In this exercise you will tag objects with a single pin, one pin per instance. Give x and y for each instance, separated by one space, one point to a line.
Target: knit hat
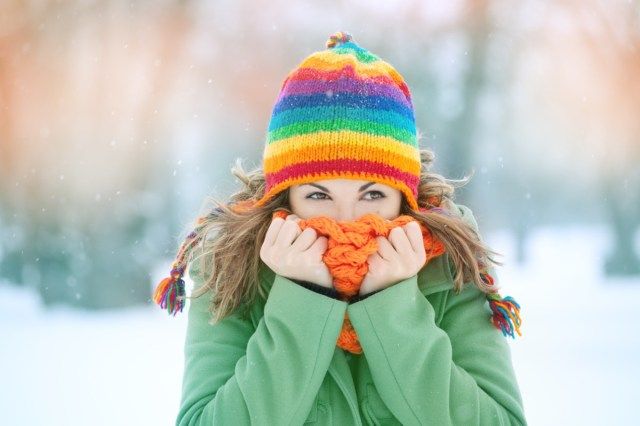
342 113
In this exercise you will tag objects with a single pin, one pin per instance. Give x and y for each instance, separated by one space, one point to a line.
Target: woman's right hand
295 254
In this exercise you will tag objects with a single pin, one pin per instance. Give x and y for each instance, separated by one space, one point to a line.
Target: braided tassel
170 293
506 311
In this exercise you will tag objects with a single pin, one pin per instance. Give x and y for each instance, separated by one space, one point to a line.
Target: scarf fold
350 243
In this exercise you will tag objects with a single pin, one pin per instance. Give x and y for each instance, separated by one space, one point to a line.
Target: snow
576 363
69 367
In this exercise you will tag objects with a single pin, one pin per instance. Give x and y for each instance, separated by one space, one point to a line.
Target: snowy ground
577 361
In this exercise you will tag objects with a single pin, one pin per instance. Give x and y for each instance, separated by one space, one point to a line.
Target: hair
230 240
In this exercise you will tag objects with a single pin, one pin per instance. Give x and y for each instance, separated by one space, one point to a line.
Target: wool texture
342 113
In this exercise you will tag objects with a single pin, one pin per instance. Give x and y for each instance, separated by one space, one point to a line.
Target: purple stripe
342 85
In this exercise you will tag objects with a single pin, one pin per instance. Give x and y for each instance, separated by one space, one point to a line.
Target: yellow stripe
329 61
348 142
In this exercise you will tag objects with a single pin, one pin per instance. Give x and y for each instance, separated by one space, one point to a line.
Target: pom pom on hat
338 38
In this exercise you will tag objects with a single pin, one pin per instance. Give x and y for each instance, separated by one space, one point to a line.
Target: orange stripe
343 140
329 61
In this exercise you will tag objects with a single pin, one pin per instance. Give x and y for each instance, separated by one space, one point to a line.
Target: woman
281 336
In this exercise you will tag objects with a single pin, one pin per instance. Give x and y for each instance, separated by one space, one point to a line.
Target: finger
288 233
374 258
386 250
414 232
400 241
305 239
319 246
272 232
293 217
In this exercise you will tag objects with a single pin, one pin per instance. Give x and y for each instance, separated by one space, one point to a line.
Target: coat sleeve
235 373
458 373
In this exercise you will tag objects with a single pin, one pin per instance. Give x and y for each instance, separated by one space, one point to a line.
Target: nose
345 212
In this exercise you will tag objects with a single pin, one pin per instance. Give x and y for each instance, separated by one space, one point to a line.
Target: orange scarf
348 248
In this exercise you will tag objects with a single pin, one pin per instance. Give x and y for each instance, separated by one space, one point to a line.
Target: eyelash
370 192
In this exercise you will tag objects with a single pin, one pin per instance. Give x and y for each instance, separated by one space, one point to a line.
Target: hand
398 258
295 254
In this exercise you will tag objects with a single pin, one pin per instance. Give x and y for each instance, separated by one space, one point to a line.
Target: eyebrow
362 188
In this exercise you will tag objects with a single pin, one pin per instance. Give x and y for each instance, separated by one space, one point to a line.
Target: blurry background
118 119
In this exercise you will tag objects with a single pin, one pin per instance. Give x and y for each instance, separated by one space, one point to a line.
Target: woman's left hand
399 257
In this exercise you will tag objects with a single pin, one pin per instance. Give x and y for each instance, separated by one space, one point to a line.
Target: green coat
431 357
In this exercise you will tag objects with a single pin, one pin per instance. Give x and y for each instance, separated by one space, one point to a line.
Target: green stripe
361 54
291 116
370 127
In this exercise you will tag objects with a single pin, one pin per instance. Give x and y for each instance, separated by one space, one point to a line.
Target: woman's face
344 199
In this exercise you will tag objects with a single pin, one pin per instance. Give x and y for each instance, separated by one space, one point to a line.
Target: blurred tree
13 32
612 34
89 241
463 144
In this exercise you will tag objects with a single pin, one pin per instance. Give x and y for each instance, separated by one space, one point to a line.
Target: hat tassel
506 314
170 293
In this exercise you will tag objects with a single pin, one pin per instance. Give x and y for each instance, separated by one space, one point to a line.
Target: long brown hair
230 240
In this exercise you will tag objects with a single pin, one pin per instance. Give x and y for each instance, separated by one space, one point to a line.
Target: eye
375 195
311 196
378 193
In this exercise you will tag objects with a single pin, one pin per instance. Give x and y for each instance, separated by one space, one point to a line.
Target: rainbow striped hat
342 113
